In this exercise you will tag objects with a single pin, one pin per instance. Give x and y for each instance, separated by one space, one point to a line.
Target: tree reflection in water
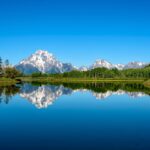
7 92
42 95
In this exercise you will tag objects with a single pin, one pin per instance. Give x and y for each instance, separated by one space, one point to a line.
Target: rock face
45 62
27 68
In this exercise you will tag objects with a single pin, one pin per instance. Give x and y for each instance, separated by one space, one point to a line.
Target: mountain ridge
45 62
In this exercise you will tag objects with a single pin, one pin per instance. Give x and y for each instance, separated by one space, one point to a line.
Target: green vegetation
101 73
6 92
7 73
109 73
103 87
94 75
147 83
75 80
7 81
11 72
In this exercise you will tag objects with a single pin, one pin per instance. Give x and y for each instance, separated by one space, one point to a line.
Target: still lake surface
75 116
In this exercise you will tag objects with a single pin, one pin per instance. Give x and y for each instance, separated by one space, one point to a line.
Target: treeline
101 73
7 71
110 73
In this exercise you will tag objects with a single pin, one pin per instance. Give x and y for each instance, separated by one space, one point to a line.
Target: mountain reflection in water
44 95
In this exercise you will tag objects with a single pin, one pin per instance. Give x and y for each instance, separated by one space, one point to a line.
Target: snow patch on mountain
108 65
102 63
135 65
83 68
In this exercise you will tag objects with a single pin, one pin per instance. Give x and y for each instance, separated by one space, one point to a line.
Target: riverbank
7 81
76 80
147 83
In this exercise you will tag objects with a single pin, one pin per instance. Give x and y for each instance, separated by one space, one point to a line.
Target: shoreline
76 80
7 81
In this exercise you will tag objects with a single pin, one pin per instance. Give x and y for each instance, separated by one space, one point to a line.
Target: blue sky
79 31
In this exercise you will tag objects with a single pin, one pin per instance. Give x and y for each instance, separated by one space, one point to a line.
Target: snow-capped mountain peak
135 64
108 65
102 63
119 66
43 61
83 68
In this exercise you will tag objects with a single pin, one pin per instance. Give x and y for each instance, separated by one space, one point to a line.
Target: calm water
75 116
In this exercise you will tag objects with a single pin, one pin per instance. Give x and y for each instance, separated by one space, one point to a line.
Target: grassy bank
76 80
7 81
147 83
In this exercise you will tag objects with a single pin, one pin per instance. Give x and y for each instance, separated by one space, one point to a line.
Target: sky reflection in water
103 116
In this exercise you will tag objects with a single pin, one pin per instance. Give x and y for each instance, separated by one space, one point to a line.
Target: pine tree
1 67
6 63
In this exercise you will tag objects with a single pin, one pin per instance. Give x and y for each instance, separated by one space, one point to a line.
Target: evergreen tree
1 67
6 63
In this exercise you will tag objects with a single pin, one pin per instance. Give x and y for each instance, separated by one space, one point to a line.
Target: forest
99 73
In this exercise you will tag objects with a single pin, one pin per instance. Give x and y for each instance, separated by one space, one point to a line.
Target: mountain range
45 62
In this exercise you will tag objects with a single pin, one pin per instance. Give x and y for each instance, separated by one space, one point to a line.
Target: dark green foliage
74 74
11 72
99 73
36 74
1 67
111 73
137 73
7 92
103 87
8 71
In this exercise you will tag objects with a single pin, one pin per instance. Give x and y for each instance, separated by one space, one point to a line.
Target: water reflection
119 92
44 95
7 92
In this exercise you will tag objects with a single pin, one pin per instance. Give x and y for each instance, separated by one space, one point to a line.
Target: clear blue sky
76 31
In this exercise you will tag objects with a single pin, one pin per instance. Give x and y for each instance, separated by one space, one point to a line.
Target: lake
90 116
